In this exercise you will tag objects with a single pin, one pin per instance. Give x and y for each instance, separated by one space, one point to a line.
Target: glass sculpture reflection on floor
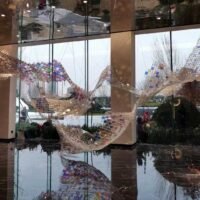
78 179
175 172
81 180
163 172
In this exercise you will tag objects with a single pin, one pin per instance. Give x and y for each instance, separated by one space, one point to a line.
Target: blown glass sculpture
158 79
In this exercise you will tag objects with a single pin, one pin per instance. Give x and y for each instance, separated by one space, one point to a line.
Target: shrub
186 114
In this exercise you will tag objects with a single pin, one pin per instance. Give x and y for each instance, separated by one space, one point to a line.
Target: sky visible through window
183 43
72 57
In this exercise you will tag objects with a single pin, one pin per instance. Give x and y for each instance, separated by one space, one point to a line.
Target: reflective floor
146 172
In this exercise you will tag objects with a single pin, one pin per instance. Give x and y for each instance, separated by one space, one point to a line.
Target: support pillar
7 171
124 173
8 101
123 62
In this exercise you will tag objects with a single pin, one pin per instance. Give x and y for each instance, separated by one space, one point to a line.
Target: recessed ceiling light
27 5
53 7
58 30
85 1
3 15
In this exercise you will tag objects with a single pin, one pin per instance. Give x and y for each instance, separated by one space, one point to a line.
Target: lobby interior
100 99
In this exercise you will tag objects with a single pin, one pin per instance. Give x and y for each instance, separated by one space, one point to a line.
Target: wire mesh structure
114 125
76 103
159 78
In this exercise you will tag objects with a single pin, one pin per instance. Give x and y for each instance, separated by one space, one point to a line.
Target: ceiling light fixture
53 7
3 15
85 1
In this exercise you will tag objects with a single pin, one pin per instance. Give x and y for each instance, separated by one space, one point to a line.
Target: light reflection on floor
146 172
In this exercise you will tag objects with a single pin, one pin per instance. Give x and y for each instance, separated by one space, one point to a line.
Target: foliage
48 131
151 104
96 111
161 135
184 114
183 129
34 130
22 126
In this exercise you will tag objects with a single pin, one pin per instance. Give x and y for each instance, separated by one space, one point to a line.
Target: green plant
180 116
161 135
22 126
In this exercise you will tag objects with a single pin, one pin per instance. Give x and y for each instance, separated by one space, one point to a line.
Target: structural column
124 177
123 62
8 101
7 171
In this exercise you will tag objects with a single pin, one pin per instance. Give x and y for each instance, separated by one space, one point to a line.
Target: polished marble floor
36 171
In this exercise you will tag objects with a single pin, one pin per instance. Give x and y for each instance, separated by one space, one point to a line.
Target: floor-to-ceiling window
169 48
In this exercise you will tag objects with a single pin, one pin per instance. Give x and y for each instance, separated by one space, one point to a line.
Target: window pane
151 51
99 61
151 14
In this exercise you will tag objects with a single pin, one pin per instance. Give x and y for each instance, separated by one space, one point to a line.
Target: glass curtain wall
83 60
152 14
37 20
62 19
173 113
